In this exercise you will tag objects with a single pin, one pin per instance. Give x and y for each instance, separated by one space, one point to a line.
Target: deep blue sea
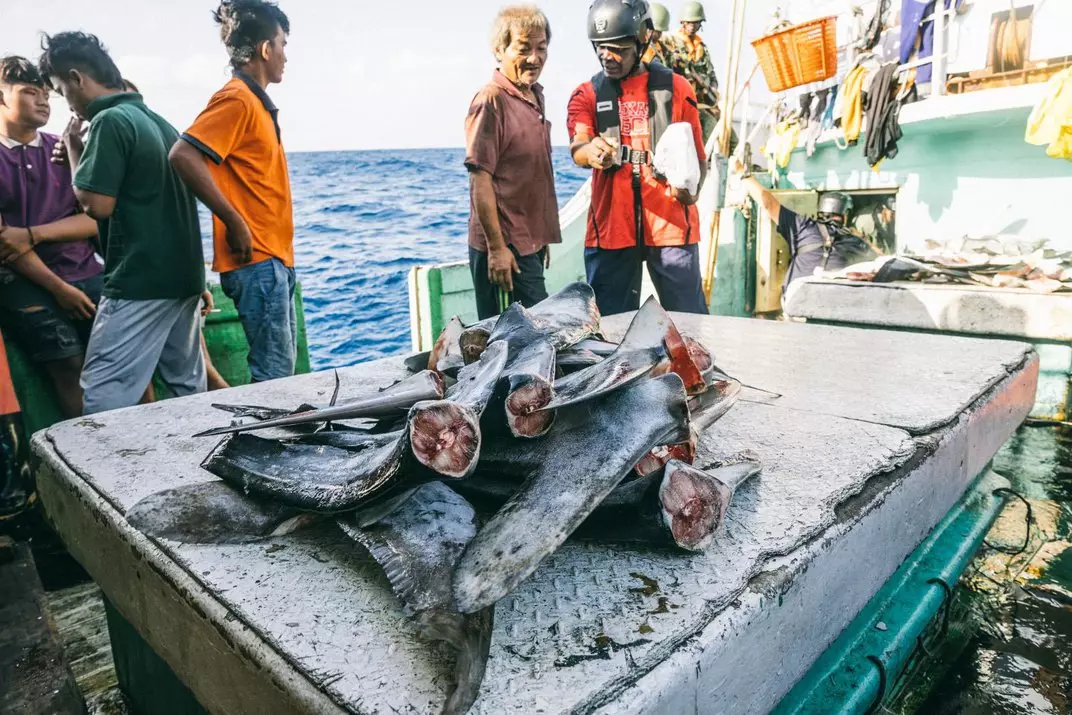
362 220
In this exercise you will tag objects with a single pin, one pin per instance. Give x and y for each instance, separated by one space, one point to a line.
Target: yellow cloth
852 113
1051 120
780 145
694 46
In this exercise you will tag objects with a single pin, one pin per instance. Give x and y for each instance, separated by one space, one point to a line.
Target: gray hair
517 18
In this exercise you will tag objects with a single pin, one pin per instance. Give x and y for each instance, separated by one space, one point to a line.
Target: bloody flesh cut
529 388
388 402
652 320
657 458
446 354
445 434
560 489
418 546
694 501
701 357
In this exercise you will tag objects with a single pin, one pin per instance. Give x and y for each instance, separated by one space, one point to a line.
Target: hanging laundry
873 32
815 120
782 141
852 110
828 115
1050 122
917 36
883 129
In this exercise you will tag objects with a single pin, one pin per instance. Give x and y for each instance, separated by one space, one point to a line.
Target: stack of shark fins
533 418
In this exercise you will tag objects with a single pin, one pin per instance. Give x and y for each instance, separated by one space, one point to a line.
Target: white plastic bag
675 157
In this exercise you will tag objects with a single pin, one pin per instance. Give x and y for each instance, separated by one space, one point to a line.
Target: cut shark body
561 490
445 434
418 547
213 513
388 402
565 318
526 382
684 507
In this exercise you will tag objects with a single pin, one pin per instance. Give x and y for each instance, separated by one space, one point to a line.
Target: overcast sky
361 74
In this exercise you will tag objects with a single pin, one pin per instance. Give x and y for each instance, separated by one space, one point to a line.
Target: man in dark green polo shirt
154 270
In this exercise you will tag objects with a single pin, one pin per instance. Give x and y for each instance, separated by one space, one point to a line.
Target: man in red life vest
615 122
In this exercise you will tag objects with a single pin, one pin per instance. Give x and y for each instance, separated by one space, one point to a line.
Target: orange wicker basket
799 54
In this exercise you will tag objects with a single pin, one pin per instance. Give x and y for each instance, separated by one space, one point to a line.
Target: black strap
660 103
828 243
660 100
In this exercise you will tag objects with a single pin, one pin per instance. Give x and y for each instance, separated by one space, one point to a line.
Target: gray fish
331 472
255 411
526 381
569 471
641 352
445 434
652 344
216 513
529 388
387 402
653 322
213 513
684 508
418 547
310 477
567 317
710 406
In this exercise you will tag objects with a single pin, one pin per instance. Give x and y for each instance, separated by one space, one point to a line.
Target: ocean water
362 220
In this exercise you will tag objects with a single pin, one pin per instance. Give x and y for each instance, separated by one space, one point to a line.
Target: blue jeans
263 293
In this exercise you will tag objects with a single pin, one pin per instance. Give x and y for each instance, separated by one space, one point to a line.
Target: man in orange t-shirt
635 216
232 158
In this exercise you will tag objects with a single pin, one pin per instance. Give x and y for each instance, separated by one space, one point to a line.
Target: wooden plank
34 674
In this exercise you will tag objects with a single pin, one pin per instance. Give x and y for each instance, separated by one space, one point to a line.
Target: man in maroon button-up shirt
513 209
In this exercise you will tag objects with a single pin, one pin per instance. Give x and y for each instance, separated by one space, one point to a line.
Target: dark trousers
615 276
529 288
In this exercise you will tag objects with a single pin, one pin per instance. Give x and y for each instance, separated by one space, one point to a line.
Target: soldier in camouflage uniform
662 46
691 58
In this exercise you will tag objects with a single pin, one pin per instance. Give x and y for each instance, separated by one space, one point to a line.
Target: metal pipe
938 73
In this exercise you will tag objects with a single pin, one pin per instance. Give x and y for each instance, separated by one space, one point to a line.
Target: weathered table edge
240 658
699 676
897 305
149 590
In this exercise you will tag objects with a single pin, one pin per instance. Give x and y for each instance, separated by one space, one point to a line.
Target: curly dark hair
19 70
245 24
80 51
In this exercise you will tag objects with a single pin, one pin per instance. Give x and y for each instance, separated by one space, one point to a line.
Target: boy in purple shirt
50 278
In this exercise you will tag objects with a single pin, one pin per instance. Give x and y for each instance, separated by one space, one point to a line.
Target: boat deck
876 435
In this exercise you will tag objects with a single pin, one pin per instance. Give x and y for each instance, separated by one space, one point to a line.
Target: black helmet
619 19
836 203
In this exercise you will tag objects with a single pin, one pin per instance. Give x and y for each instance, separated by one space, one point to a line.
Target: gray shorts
131 339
